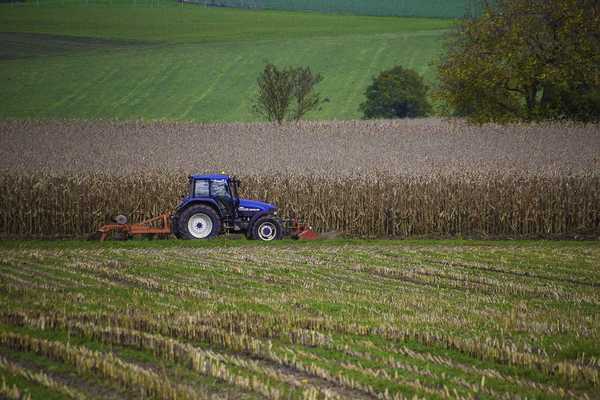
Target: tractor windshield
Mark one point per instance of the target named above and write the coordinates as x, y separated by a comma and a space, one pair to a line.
219, 188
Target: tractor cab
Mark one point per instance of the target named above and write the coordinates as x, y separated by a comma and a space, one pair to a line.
223, 190
213, 206
220, 189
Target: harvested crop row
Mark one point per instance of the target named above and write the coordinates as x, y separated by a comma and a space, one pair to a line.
346, 280
268, 382
12, 392
174, 350
107, 365
188, 355
330, 319
42, 379
195, 329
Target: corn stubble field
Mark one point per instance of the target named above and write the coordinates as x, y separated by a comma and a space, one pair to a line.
359, 320
425, 177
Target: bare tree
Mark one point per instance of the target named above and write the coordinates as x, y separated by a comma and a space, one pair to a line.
306, 98
287, 93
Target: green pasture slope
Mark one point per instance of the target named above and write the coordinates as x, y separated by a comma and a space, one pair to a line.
164, 60
404, 8
296, 320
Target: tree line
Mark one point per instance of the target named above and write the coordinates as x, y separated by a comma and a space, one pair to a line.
519, 60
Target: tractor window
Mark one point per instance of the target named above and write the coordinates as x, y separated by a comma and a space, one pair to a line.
201, 188
219, 188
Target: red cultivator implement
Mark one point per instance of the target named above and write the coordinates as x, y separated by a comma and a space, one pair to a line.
158, 227
300, 230
161, 227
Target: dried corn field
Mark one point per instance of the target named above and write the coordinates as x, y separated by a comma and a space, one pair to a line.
382, 320
508, 206
371, 179
409, 147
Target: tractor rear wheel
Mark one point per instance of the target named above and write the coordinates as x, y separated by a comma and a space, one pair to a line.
198, 222
267, 229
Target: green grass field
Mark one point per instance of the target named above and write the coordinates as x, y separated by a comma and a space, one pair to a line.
323, 320
162, 60
404, 8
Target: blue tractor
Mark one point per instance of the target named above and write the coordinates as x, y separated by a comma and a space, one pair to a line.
212, 207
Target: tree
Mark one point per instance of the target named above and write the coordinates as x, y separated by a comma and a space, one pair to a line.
525, 60
396, 93
306, 98
287, 93
275, 91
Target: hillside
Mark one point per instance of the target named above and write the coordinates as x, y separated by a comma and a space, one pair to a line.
163, 60
405, 8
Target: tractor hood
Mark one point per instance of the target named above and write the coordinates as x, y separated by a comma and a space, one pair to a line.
253, 206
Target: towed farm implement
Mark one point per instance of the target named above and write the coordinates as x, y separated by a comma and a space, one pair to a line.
212, 207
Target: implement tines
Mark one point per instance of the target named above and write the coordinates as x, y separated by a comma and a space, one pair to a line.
157, 227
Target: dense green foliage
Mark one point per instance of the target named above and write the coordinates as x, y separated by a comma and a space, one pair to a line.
125, 61
526, 60
293, 320
396, 93
417, 8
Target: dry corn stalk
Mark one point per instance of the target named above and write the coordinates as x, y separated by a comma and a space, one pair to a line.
472, 205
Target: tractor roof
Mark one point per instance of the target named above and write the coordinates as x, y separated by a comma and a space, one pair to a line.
210, 176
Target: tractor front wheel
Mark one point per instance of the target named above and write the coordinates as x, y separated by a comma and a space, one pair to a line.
198, 222
267, 229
